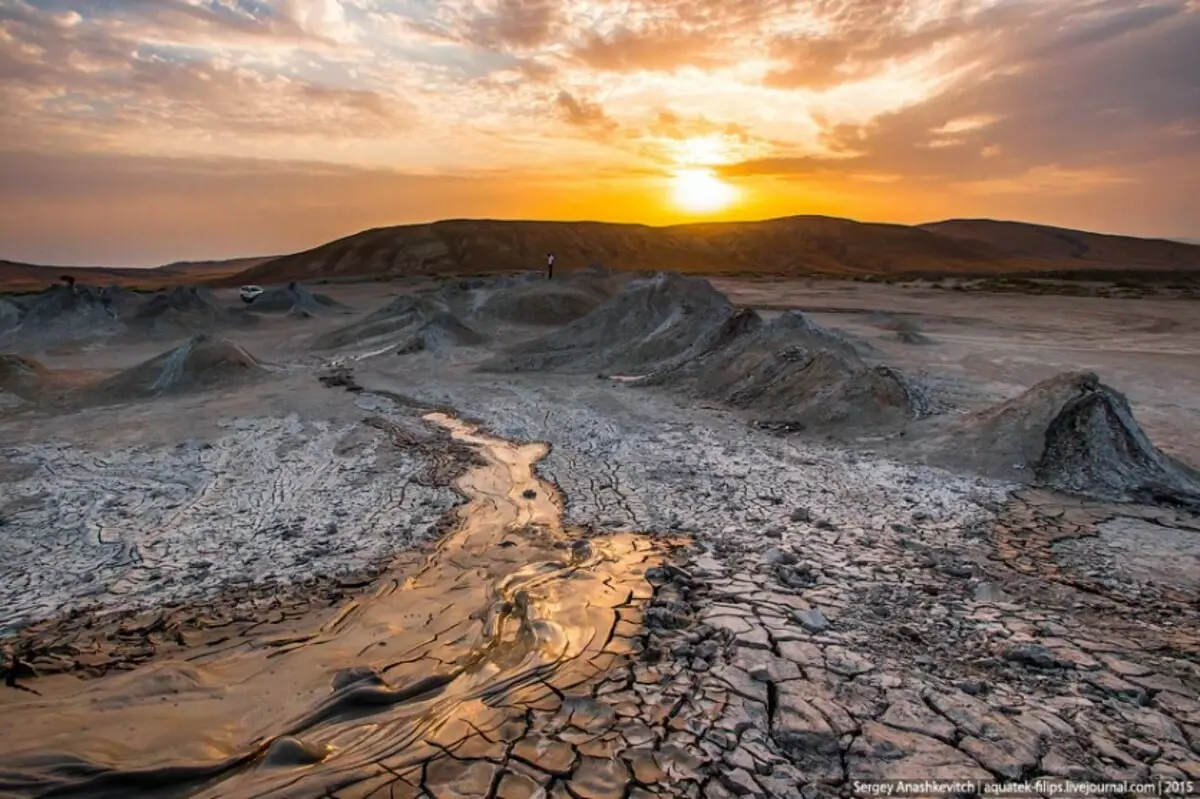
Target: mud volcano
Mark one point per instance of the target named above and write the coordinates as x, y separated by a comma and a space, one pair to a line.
1073, 433
67, 312
407, 324
186, 308
203, 363
296, 300
543, 302
652, 323
790, 370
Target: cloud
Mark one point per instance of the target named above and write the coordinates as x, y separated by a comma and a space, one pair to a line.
970, 99
1095, 86
581, 111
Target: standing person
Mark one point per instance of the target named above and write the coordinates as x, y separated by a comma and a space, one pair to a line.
550, 266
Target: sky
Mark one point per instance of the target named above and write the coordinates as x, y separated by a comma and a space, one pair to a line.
138, 132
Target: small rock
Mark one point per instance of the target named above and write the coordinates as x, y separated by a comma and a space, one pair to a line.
1034, 655
801, 515
775, 555
812, 620
973, 687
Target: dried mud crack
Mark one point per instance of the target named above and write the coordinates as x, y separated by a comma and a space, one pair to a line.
504, 664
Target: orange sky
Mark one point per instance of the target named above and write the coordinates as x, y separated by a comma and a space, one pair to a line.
141, 132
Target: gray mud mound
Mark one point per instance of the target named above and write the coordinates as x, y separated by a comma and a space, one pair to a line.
650, 324
10, 314
401, 315
21, 377
67, 312
544, 302
186, 308
202, 363
1074, 433
406, 325
792, 371
296, 300
441, 331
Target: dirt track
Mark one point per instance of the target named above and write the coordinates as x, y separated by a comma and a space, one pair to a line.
839, 616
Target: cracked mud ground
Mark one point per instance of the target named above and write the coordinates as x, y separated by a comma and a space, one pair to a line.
682, 607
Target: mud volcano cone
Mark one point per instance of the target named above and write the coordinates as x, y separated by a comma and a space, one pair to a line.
407, 324
652, 323
67, 312
792, 370
1077, 434
441, 331
541, 303
185, 308
203, 363
296, 300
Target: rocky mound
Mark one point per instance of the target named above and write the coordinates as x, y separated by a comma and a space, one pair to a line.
791, 371
202, 363
186, 308
296, 300
21, 377
652, 323
1073, 433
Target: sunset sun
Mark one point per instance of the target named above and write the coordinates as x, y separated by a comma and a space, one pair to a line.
700, 191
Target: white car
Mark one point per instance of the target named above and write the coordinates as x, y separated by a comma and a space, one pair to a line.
250, 293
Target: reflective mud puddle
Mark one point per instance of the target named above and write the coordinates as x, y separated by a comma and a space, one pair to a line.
428, 685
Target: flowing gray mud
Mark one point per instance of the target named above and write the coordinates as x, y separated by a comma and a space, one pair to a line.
431, 681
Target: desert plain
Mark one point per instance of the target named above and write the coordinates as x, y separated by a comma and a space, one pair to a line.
606, 535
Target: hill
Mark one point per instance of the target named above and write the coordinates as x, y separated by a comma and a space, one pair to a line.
801, 245
17, 277
1070, 247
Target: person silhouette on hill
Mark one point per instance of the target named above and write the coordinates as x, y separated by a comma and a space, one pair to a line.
550, 266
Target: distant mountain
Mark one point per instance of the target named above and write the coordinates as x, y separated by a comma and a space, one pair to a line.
21, 277
791, 246
1071, 248
799, 245
794, 245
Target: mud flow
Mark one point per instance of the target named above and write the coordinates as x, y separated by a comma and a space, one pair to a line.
433, 679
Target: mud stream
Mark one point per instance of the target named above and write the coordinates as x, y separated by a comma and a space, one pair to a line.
446, 660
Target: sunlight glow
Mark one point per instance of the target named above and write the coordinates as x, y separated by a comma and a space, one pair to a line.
700, 191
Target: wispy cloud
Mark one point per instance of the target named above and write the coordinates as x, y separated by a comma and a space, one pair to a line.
968, 98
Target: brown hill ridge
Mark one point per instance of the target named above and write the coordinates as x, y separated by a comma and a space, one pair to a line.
1024, 240
799, 245
790, 246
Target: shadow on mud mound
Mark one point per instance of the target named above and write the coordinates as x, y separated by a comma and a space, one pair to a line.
203, 363
794, 373
186, 308
10, 314
652, 323
296, 300
22, 377
1073, 433
65, 312
406, 325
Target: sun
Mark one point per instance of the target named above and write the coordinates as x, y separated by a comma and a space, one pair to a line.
700, 191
